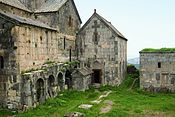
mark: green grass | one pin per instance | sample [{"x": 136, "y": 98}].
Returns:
[
  {"x": 158, "y": 50},
  {"x": 127, "y": 103}
]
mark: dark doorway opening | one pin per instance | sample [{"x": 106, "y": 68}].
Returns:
[
  {"x": 68, "y": 79},
  {"x": 1, "y": 62},
  {"x": 61, "y": 81},
  {"x": 97, "y": 76},
  {"x": 40, "y": 90}
]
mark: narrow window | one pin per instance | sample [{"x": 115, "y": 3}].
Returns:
[
  {"x": 64, "y": 43},
  {"x": 70, "y": 22},
  {"x": 1, "y": 62},
  {"x": 159, "y": 64}
]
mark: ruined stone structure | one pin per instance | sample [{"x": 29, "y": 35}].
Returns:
[
  {"x": 157, "y": 70},
  {"x": 102, "y": 48},
  {"x": 36, "y": 37}
]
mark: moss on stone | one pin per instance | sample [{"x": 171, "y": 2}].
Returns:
[{"x": 158, "y": 50}]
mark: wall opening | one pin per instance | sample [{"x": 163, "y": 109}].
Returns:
[
  {"x": 159, "y": 64},
  {"x": 97, "y": 76},
  {"x": 64, "y": 46},
  {"x": 60, "y": 81},
  {"x": 68, "y": 79},
  {"x": 70, "y": 22},
  {"x": 51, "y": 81},
  {"x": 40, "y": 90},
  {"x": 1, "y": 62}
]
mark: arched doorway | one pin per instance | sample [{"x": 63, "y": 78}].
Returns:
[
  {"x": 68, "y": 79},
  {"x": 60, "y": 81},
  {"x": 40, "y": 90},
  {"x": 51, "y": 86}
]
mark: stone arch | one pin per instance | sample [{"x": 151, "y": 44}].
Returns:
[
  {"x": 40, "y": 90},
  {"x": 1, "y": 62},
  {"x": 61, "y": 81},
  {"x": 51, "y": 86}
]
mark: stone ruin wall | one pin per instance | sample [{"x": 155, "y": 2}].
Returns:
[{"x": 157, "y": 70}]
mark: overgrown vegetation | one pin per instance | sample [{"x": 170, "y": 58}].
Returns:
[
  {"x": 32, "y": 70},
  {"x": 158, "y": 50},
  {"x": 128, "y": 101}
]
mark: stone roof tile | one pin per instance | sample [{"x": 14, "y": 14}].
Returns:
[
  {"x": 51, "y": 6},
  {"x": 23, "y": 20},
  {"x": 15, "y": 3}
]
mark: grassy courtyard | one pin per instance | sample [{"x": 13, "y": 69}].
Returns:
[{"x": 126, "y": 103}]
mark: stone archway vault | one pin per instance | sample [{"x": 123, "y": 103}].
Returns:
[
  {"x": 40, "y": 90},
  {"x": 51, "y": 86}
]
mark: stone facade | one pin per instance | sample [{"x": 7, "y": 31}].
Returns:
[
  {"x": 32, "y": 52},
  {"x": 38, "y": 47},
  {"x": 102, "y": 48},
  {"x": 157, "y": 70}
]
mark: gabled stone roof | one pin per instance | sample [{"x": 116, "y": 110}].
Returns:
[
  {"x": 21, "y": 20},
  {"x": 83, "y": 71},
  {"x": 55, "y": 5},
  {"x": 15, "y": 3},
  {"x": 107, "y": 23},
  {"x": 51, "y": 6}
]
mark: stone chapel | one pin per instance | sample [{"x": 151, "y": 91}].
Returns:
[{"x": 103, "y": 49}]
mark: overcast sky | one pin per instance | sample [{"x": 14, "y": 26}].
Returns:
[{"x": 145, "y": 23}]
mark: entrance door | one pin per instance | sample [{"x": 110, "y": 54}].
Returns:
[{"x": 97, "y": 76}]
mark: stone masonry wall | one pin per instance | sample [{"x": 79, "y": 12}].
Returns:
[
  {"x": 14, "y": 10},
  {"x": 110, "y": 51},
  {"x": 157, "y": 70},
  {"x": 65, "y": 20},
  {"x": 35, "y": 46}
]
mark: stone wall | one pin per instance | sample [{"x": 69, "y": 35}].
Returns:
[
  {"x": 13, "y": 10},
  {"x": 65, "y": 20},
  {"x": 122, "y": 59},
  {"x": 157, "y": 69},
  {"x": 35, "y": 46},
  {"x": 106, "y": 49}
]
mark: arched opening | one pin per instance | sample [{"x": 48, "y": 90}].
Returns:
[
  {"x": 1, "y": 62},
  {"x": 60, "y": 81},
  {"x": 68, "y": 79},
  {"x": 40, "y": 90},
  {"x": 51, "y": 85}
]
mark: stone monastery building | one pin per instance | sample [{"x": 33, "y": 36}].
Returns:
[
  {"x": 44, "y": 50},
  {"x": 157, "y": 69}
]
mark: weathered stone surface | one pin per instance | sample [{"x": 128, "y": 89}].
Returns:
[
  {"x": 157, "y": 71},
  {"x": 30, "y": 44},
  {"x": 74, "y": 114},
  {"x": 107, "y": 107},
  {"x": 85, "y": 106},
  {"x": 101, "y": 48},
  {"x": 35, "y": 42}
]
